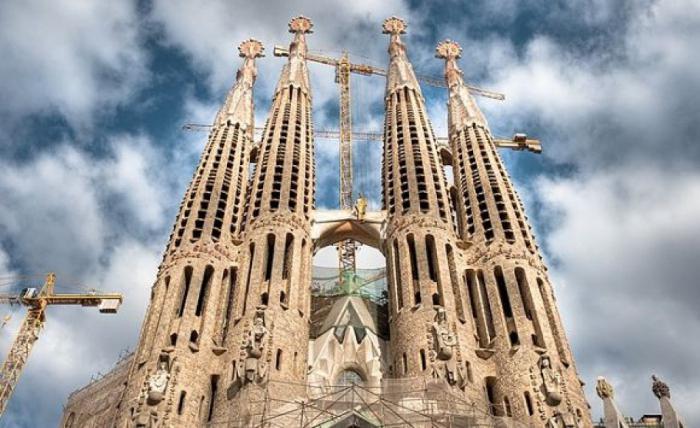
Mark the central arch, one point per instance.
(330, 227)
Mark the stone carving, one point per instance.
(659, 388)
(402, 222)
(551, 382)
(157, 383)
(254, 368)
(444, 340)
(216, 252)
(561, 420)
(360, 208)
(603, 388)
(152, 393)
(285, 220)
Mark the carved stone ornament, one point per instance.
(603, 388)
(659, 388)
(158, 381)
(562, 420)
(551, 382)
(444, 340)
(254, 367)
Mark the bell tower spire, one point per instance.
(420, 243)
(187, 319)
(462, 106)
(400, 73)
(271, 315)
(239, 104)
(517, 326)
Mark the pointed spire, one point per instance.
(295, 72)
(238, 107)
(400, 72)
(463, 109)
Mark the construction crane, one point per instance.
(519, 141)
(368, 70)
(36, 301)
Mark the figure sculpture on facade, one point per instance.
(361, 207)
(659, 388)
(158, 381)
(551, 385)
(444, 340)
(254, 368)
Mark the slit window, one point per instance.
(186, 290)
(270, 256)
(204, 290)
(181, 402)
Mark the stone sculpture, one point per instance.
(444, 340)
(254, 369)
(158, 382)
(659, 388)
(551, 385)
(603, 388)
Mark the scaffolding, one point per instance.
(415, 402)
(366, 283)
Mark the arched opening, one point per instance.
(348, 307)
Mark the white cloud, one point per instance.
(91, 220)
(626, 246)
(71, 58)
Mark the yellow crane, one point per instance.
(36, 301)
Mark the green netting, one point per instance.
(367, 283)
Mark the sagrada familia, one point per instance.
(469, 333)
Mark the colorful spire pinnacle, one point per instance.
(295, 72)
(239, 101)
(461, 105)
(400, 73)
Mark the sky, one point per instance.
(93, 161)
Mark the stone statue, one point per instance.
(659, 388)
(254, 368)
(603, 388)
(444, 341)
(158, 382)
(361, 207)
(551, 385)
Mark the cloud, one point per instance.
(72, 59)
(626, 245)
(99, 222)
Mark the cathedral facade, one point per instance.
(468, 333)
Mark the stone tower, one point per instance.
(234, 336)
(420, 241)
(526, 361)
(272, 295)
(184, 330)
